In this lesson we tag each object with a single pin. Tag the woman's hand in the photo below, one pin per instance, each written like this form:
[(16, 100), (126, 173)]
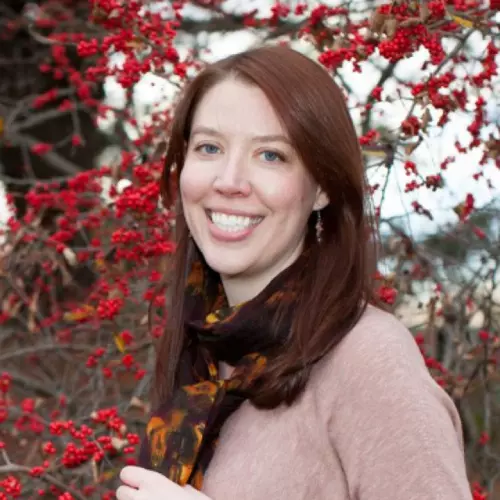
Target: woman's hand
[(144, 484)]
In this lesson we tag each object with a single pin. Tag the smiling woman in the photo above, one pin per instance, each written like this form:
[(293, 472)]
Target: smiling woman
[(246, 194), (279, 377)]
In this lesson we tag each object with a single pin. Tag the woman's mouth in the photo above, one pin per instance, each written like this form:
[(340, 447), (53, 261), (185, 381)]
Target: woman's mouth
[(232, 227), (230, 222)]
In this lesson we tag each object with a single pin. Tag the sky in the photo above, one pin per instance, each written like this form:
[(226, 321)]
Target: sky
[(437, 146)]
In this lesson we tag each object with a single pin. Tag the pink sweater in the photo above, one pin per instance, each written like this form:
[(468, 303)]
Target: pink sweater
[(371, 425)]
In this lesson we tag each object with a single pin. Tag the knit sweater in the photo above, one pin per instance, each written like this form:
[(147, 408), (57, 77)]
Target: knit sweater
[(371, 424)]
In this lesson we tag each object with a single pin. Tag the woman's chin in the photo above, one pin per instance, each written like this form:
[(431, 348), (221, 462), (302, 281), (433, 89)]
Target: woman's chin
[(227, 263)]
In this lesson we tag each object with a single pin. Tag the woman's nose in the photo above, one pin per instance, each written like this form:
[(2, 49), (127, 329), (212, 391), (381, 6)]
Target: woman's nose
[(232, 178)]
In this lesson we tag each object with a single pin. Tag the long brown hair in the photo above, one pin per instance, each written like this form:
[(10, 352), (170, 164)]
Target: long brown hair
[(336, 284)]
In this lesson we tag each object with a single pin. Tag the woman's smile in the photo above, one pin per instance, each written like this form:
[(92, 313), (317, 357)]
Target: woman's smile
[(227, 226)]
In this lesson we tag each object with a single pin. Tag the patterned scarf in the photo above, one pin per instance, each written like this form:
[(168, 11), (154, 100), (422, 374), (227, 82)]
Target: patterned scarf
[(182, 434)]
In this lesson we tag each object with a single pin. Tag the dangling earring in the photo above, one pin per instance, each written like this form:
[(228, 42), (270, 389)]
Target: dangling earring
[(319, 227)]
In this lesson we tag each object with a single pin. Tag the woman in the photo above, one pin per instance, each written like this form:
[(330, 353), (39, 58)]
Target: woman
[(276, 379)]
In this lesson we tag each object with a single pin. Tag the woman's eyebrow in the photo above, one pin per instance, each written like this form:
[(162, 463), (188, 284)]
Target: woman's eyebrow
[(257, 138), (271, 138), (205, 130)]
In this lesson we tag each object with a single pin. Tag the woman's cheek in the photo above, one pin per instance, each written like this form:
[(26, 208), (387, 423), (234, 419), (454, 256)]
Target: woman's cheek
[(194, 183), (282, 194)]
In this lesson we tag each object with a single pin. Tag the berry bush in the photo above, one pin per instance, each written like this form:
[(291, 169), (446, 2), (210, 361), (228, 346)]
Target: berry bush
[(86, 249)]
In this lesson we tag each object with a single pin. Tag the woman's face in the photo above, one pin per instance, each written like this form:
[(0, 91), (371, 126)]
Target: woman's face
[(245, 192)]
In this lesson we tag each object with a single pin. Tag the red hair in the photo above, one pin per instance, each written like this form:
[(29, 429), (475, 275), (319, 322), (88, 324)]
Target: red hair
[(337, 280)]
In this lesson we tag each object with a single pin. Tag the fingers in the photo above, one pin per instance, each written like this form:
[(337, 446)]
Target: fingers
[(131, 475), (144, 484), (127, 493), (138, 477)]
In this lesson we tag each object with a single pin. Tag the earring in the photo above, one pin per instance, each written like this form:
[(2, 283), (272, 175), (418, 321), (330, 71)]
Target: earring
[(319, 227)]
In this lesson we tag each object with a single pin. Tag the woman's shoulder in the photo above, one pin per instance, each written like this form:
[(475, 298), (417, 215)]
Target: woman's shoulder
[(377, 337), (379, 354), (385, 415), (378, 374)]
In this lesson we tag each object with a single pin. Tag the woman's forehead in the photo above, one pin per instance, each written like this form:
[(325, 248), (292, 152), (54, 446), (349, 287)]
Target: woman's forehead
[(233, 107)]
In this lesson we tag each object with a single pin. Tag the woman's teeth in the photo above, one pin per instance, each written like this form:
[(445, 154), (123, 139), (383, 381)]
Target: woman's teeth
[(233, 223)]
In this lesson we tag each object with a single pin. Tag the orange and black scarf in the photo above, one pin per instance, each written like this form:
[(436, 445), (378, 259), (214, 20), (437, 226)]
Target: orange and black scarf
[(182, 434)]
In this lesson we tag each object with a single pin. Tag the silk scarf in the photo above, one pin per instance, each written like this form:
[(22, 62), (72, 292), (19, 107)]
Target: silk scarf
[(183, 433)]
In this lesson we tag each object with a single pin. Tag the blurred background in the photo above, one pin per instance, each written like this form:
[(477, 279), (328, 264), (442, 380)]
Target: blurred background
[(87, 91)]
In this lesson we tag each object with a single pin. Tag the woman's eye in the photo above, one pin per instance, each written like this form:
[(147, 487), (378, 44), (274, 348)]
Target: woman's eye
[(272, 156), (209, 149)]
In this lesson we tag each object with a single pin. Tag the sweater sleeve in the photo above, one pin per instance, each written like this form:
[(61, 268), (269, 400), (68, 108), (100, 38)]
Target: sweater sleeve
[(396, 432)]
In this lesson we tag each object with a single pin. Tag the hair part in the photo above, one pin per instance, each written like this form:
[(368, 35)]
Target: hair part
[(337, 280)]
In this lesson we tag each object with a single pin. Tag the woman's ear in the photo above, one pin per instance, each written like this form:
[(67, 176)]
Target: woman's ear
[(321, 200)]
